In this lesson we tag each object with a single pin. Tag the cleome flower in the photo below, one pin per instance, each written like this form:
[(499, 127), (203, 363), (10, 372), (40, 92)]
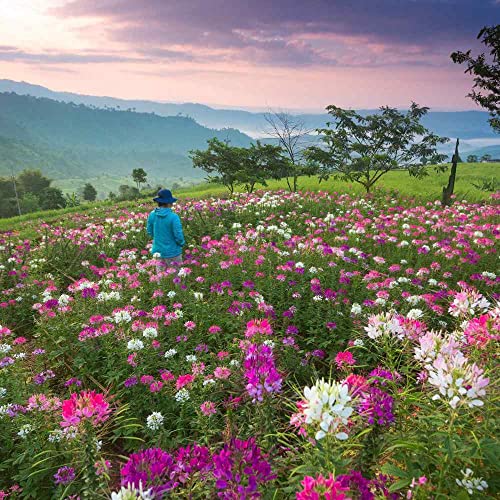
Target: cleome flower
[(326, 407), (87, 405), (384, 324)]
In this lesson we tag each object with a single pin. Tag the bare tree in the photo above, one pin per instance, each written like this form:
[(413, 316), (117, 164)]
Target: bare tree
[(291, 134)]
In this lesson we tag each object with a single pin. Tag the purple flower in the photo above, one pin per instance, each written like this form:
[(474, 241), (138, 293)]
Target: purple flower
[(376, 405), (150, 468), (130, 382), (162, 472), (239, 470), (64, 475), (260, 372)]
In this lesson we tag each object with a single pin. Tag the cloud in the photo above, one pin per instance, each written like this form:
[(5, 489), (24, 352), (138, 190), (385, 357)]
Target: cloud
[(291, 32), (9, 53)]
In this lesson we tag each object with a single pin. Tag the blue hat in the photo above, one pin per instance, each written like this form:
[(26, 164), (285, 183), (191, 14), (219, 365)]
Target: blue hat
[(165, 196)]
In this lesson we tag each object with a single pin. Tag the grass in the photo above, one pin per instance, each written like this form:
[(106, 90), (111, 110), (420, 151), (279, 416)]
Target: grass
[(426, 189)]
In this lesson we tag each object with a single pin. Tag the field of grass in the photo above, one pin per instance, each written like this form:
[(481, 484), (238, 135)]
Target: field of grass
[(426, 189)]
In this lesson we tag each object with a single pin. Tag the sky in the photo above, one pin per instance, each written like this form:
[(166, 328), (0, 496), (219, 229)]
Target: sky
[(288, 54)]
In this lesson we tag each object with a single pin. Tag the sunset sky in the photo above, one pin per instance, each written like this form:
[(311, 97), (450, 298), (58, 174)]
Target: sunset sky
[(247, 53)]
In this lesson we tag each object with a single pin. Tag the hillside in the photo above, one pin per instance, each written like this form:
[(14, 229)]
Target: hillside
[(68, 140), (463, 124)]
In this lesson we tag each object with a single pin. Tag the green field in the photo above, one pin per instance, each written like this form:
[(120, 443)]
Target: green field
[(427, 189)]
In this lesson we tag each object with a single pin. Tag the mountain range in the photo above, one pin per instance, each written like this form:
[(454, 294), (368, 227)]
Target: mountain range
[(77, 138), (463, 124)]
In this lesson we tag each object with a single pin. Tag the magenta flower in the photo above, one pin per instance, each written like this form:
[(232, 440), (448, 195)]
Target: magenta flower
[(88, 405), (316, 488), (239, 470)]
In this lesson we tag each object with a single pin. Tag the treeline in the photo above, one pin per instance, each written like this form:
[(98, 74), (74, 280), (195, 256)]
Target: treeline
[(31, 191)]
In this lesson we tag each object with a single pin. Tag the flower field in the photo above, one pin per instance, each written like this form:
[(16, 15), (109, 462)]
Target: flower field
[(311, 345)]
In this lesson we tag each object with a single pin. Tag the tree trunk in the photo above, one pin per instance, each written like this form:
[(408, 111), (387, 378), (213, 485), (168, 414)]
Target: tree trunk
[(448, 190)]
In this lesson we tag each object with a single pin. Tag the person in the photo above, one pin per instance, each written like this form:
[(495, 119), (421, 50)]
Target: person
[(165, 227)]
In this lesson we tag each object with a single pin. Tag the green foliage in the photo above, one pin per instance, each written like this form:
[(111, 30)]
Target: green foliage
[(486, 73), (364, 148), (139, 176), (32, 181), (30, 202), (472, 159), (128, 193), (232, 166), (89, 192), (52, 197), (490, 185)]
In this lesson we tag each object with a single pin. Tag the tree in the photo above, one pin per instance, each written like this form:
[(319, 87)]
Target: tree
[(362, 149), (486, 71), (51, 198), (32, 181), (231, 166), (219, 161), (140, 176), (259, 163), (29, 203), (128, 192), (486, 157), (89, 192), (472, 159), (291, 134)]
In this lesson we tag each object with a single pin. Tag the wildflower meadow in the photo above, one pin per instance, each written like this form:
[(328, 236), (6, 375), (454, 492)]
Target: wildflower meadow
[(310, 346)]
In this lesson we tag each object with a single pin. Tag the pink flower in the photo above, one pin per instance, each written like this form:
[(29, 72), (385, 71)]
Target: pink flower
[(257, 326), (214, 329), (344, 358), (86, 405), (221, 372), (321, 487), (208, 408), (156, 386), (183, 380), (190, 325)]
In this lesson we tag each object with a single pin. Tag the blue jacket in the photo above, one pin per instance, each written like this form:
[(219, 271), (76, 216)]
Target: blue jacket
[(165, 227)]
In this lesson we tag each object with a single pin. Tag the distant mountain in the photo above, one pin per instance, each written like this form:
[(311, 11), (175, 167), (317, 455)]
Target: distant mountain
[(463, 124), (67, 140), (494, 151)]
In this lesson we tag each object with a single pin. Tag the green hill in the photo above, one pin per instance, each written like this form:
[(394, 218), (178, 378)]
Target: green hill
[(66, 140)]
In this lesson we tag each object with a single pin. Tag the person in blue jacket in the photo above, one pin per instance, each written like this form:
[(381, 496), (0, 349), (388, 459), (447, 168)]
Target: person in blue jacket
[(165, 227)]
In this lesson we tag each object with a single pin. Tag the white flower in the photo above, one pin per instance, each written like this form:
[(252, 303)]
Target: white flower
[(355, 309), (63, 300), (5, 348), (171, 294), (299, 265), (234, 363), (122, 317), (327, 404), (170, 353), (182, 395), (471, 483), (269, 343), (414, 314), (131, 493), (198, 296), (384, 324), (55, 436), (135, 345), (359, 343), (24, 431), (150, 333), (155, 421), (3, 392), (191, 358), (208, 381)]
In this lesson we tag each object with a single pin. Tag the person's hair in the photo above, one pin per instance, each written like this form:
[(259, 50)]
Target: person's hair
[(160, 204)]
